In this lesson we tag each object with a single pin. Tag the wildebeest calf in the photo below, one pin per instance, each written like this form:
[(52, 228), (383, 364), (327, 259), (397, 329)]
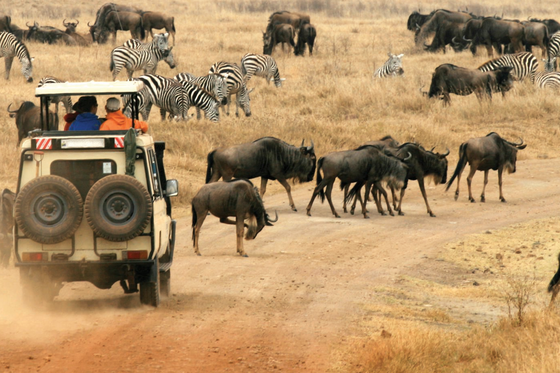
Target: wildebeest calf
[(224, 199)]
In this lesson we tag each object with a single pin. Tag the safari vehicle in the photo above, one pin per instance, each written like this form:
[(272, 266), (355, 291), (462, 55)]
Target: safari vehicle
[(93, 206)]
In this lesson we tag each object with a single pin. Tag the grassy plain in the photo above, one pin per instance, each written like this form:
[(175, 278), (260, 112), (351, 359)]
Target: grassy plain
[(332, 99)]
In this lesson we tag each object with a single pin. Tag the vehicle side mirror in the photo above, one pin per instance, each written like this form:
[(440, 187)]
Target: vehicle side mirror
[(172, 188)]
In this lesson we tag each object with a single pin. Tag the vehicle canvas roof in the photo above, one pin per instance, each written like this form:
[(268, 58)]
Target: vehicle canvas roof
[(89, 88)]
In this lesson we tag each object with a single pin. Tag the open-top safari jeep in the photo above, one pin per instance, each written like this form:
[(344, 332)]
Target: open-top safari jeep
[(93, 206)]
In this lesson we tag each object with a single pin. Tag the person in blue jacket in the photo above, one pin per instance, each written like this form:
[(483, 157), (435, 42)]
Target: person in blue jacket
[(87, 120)]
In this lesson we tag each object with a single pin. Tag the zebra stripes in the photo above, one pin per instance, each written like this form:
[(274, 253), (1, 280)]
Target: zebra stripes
[(548, 80), (146, 58), (553, 52), (160, 41), (202, 100), (66, 100), (236, 85), (524, 65), (11, 47), (214, 84), (260, 65), (391, 67)]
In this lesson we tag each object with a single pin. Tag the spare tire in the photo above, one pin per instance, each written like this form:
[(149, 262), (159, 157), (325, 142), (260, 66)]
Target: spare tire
[(118, 208), (48, 209)]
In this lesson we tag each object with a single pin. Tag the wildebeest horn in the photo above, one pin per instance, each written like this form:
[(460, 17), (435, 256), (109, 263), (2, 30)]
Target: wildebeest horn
[(515, 144), (446, 153), (88, 24), (27, 24), (310, 148), (407, 158), (77, 22), (64, 22), (11, 111), (302, 143), (418, 27), (268, 220), (467, 40), (432, 149)]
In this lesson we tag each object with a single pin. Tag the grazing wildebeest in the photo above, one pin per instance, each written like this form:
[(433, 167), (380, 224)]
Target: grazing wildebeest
[(424, 163), (307, 35), (223, 199), (5, 23), (296, 20), (449, 79), (448, 33), (366, 165), (71, 30), (416, 20), (282, 33), (554, 285), (434, 22), (484, 154), (268, 158), (157, 20), (48, 35), (536, 33), (102, 12), (28, 118), (6, 226), (495, 32), (121, 21)]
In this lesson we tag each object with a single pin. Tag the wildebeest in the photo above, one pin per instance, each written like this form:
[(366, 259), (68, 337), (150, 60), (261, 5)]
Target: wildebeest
[(71, 30), (416, 20), (448, 33), (366, 165), (120, 21), (48, 35), (282, 33), (449, 78), (268, 158), (19, 33), (424, 163), (536, 34), (224, 199), (554, 285), (491, 152), (296, 20), (552, 25), (5, 23), (495, 32), (102, 13), (434, 22), (28, 118), (158, 21), (6, 226), (307, 35)]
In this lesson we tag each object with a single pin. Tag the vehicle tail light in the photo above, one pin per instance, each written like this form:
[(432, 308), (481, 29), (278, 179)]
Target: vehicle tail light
[(135, 255), (34, 257)]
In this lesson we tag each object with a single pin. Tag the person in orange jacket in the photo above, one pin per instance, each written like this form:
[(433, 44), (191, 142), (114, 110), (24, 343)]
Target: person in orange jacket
[(116, 119)]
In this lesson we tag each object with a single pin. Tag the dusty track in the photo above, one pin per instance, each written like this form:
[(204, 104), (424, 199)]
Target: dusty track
[(287, 307)]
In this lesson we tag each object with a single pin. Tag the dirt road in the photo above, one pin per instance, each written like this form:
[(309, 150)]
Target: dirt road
[(288, 307)]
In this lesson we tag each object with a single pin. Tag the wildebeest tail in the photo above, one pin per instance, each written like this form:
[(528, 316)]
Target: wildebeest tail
[(210, 160), (556, 279), (173, 24), (320, 178), (353, 192), (460, 164), (194, 219), (142, 31), (112, 65)]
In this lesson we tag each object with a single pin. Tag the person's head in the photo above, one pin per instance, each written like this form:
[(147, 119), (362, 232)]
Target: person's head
[(86, 104), (113, 104)]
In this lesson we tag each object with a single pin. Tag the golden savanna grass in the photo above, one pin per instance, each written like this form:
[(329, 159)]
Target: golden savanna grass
[(332, 99)]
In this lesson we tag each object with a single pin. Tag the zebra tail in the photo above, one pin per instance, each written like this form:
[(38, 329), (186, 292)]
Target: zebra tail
[(556, 279), (112, 64), (320, 178), (209, 170), (460, 164), (142, 31)]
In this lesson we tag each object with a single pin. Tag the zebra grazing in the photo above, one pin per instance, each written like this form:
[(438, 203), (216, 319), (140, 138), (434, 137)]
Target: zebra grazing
[(524, 65), (236, 85), (214, 84), (260, 65), (202, 100), (392, 67), (11, 47), (167, 94), (66, 100), (548, 80), (146, 58)]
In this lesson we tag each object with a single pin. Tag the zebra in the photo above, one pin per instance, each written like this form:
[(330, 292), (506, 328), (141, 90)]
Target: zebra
[(524, 65), (392, 67), (214, 84), (548, 80), (145, 59), (236, 85), (260, 65), (553, 52), (66, 100), (161, 43), (167, 94), (11, 47), (202, 100)]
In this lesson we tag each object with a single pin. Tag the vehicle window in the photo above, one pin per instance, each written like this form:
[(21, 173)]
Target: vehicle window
[(83, 173)]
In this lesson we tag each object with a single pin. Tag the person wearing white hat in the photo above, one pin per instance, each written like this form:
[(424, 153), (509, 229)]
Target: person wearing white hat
[(117, 121)]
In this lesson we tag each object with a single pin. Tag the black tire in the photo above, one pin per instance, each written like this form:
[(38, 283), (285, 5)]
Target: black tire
[(118, 208), (48, 209), (165, 283)]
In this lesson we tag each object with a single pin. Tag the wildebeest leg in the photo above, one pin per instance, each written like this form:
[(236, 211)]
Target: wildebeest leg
[(482, 198), (316, 191), (376, 198), (423, 190), (329, 198), (364, 203), (459, 181), (344, 199), (201, 215), (286, 185), (395, 200), (263, 186), (8, 63), (240, 227), (469, 181), (357, 198), (500, 170), (379, 187), (490, 51)]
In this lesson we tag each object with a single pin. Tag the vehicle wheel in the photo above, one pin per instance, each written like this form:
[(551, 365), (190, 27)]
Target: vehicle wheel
[(118, 208), (48, 209), (149, 293), (165, 283)]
